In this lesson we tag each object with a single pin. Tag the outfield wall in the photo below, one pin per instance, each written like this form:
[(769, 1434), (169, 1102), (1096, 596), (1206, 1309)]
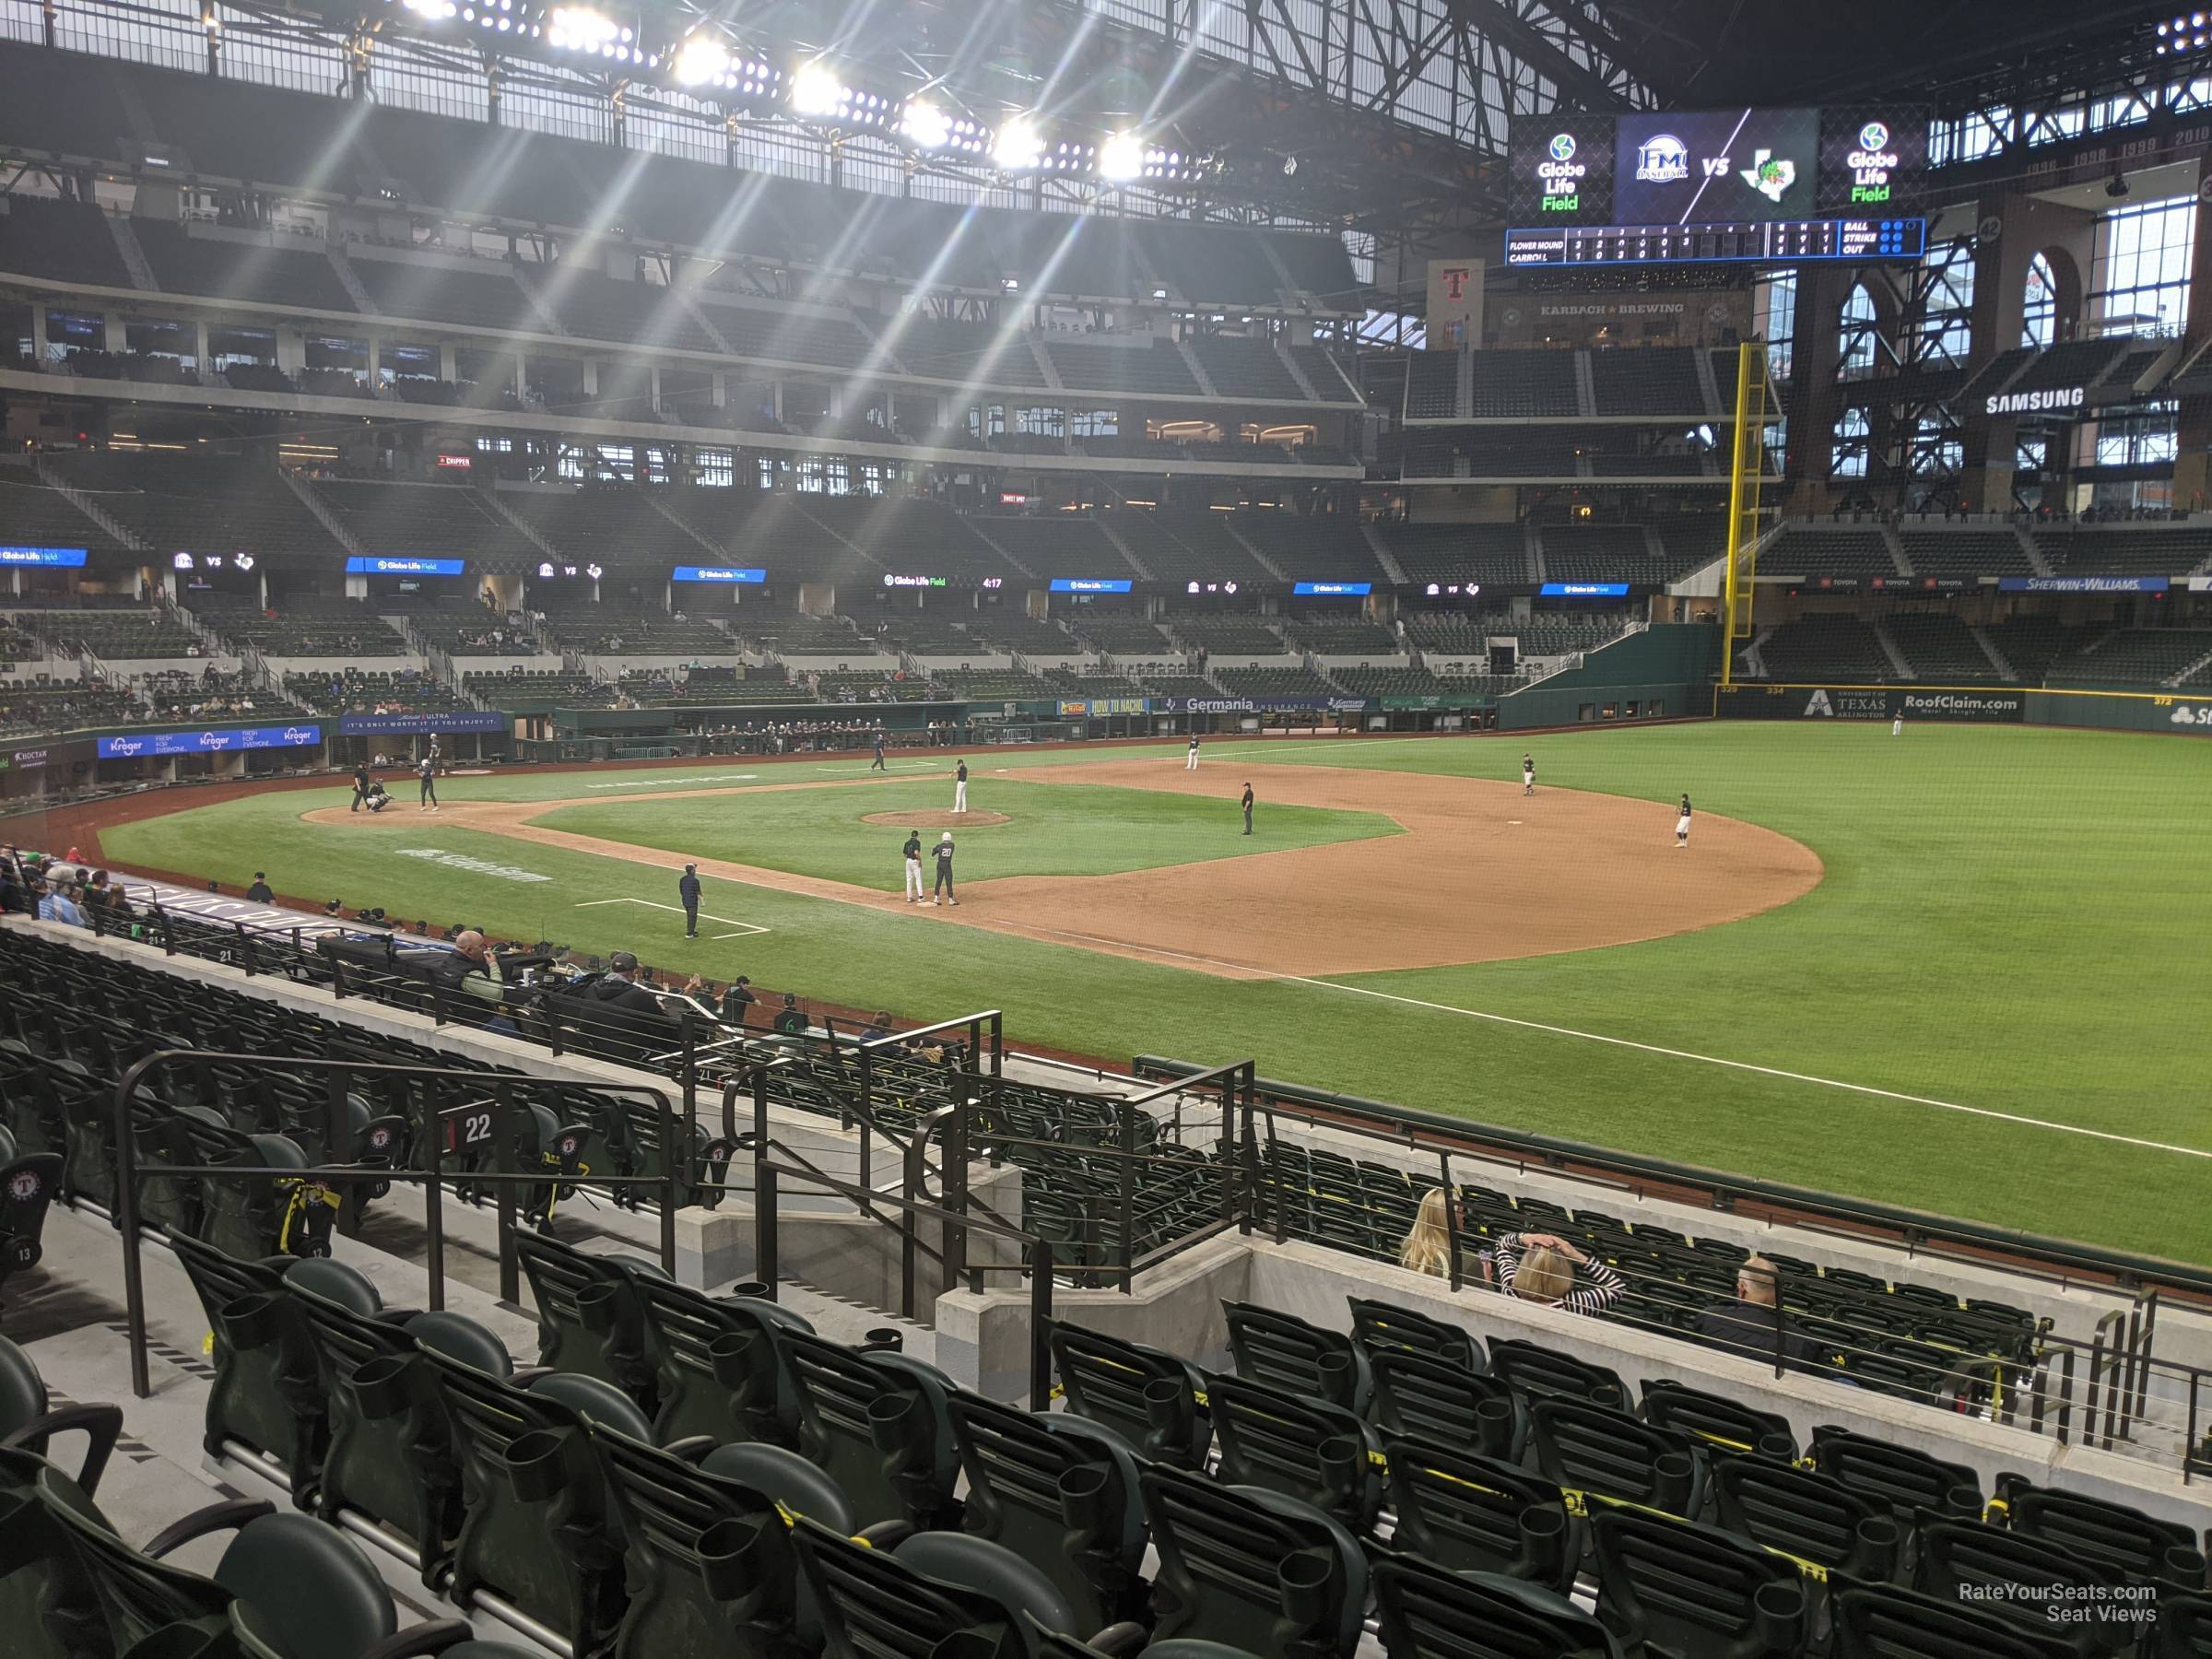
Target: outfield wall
[(2164, 712), (1657, 673)]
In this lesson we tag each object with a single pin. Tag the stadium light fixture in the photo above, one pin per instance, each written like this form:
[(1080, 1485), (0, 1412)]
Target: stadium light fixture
[(925, 125), (1120, 157), (579, 29), (701, 60), (1018, 147), (816, 89)]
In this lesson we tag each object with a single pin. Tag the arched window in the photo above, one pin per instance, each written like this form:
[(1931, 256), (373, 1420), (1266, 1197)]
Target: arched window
[(1858, 344), (2039, 305)]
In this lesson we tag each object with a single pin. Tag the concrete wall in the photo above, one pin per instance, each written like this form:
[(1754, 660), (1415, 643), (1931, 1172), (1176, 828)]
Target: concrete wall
[(984, 1341)]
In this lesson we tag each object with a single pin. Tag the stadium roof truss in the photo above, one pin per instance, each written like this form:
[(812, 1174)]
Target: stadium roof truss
[(1386, 115)]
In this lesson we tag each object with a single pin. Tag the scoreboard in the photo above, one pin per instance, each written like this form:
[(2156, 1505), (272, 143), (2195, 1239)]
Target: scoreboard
[(1777, 186)]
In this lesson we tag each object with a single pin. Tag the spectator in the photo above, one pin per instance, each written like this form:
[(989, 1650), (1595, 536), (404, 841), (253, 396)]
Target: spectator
[(259, 892), (879, 1027), (618, 987), (790, 1021), (1428, 1247), (15, 886), (60, 905), (737, 1001), (1542, 1267), (1754, 1326)]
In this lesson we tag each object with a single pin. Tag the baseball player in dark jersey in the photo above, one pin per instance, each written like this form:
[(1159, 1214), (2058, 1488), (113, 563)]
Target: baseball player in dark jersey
[(960, 789), (427, 772), (1248, 809), (1528, 775), (1682, 825), (912, 854), (943, 888)]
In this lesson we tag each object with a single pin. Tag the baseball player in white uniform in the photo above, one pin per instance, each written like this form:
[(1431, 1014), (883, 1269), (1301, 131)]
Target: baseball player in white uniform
[(1682, 825), (1528, 775), (913, 853), (1191, 761), (959, 788)]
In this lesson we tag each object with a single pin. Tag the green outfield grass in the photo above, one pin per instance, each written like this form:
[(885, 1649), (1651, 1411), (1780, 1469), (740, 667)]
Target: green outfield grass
[(2012, 929), (1061, 830)]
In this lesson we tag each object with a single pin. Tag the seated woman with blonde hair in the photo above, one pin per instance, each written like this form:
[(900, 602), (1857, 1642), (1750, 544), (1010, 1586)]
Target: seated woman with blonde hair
[(1543, 1267), (1428, 1247)]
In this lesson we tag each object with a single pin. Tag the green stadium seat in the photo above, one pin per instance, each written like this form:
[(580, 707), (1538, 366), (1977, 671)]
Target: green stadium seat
[(1147, 1395), (718, 1368), (937, 1595), (536, 1516), (590, 1319), (877, 1422), (1417, 1393), (286, 1586), (2112, 1537), (28, 1181), (1676, 1586), (1470, 1513), (1379, 1327), (1252, 1569), (2012, 1574), (1588, 1448), (1299, 1358), (1724, 1423), (1302, 1447), (1882, 1621), (708, 1558), (262, 1398), (1808, 1515), (1061, 1491), (29, 1420), (1907, 1480), (2185, 1628), (1538, 1372), (1426, 1611)]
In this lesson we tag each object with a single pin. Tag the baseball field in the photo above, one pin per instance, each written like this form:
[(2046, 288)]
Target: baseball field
[(1965, 970)]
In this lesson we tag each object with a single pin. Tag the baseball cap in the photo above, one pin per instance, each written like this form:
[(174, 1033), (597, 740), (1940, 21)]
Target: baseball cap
[(622, 961)]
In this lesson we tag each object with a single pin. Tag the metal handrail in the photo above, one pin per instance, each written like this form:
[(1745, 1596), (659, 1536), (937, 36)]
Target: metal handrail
[(1405, 1128), (505, 1180)]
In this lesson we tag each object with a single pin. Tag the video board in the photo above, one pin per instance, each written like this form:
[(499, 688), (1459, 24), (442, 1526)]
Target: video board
[(1691, 186)]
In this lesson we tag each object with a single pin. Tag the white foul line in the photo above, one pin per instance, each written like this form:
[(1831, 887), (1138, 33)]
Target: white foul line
[(743, 928), (1648, 1048)]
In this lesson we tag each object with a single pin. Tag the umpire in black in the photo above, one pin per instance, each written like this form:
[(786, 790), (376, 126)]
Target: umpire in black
[(688, 890), (361, 786), (1248, 809)]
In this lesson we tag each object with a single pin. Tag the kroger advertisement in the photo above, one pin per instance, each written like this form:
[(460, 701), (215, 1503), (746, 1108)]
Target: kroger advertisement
[(209, 742)]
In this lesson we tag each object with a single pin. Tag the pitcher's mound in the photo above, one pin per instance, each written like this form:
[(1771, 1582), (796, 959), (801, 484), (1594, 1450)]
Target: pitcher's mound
[(936, 820)]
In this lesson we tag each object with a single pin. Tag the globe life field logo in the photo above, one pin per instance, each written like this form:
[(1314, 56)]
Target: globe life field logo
[(1871, 164), (1561, 176)]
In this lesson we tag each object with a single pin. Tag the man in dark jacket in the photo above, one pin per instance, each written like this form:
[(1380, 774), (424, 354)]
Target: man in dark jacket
[(791, 1021), (737, 1001), (688, 890), (1754, 1326), (360, 787), (618, 986), (259, 892)]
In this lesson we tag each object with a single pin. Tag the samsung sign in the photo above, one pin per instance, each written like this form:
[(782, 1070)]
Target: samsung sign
[(209, 742), (42, 555), (1092, 584), (717, 573), (376, 565), (2035, 403), (1332, 590)]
